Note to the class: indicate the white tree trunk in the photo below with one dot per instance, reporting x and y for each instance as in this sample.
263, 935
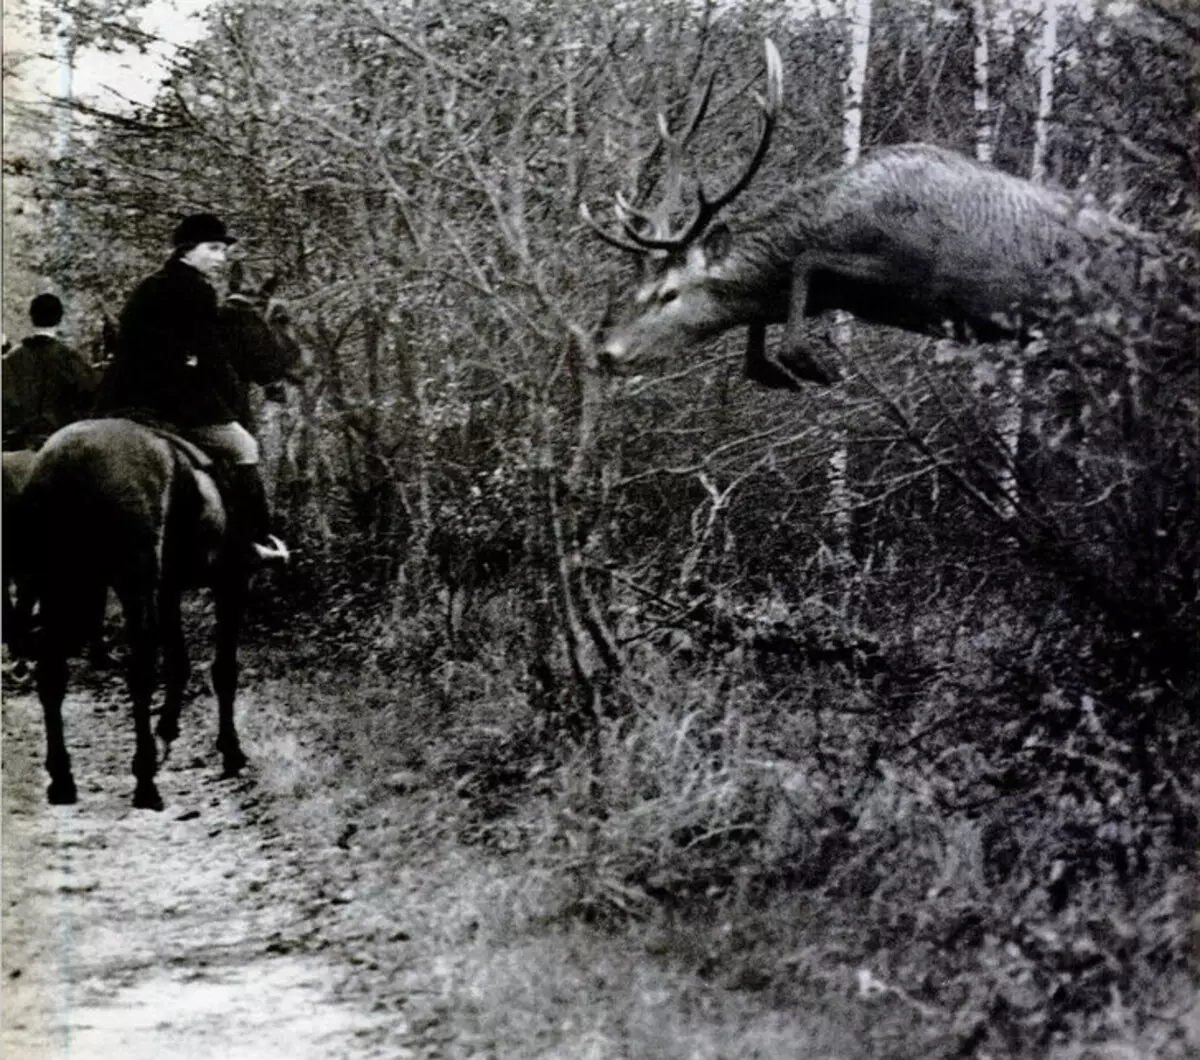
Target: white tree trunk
1047, 52
858, 15
1013, 416
983, 110
858, 12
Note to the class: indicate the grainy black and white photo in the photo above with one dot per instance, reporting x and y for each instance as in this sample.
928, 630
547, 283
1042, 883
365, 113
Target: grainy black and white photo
554, 530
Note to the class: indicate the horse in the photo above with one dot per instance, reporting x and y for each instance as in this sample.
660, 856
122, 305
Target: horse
112, 503
15, 467
256, 329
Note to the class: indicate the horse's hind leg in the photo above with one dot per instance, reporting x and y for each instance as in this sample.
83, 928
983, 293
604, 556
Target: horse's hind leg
141, 623
176, 665
62, 634
229, 603
51, 678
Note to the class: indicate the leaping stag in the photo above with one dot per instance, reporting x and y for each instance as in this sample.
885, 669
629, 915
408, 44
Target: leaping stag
914, 236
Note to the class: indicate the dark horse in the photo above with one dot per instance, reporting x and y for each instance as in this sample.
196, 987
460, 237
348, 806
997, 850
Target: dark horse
115, 504
15, 467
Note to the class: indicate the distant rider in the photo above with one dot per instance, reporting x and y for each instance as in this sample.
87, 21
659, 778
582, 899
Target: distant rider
46, 384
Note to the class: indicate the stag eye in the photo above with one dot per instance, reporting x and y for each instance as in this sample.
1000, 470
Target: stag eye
668, 296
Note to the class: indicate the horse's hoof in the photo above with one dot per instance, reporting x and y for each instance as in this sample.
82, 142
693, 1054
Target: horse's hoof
62, 792
234, 762
168, 731
146, 797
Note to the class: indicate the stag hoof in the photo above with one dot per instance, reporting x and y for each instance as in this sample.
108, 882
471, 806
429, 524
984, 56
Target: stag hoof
801, 366
146, 796
62, 792
766, 374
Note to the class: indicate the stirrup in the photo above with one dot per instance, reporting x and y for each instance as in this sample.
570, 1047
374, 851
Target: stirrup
273, 551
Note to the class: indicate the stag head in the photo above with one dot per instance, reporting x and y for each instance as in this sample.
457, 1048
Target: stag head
684, 300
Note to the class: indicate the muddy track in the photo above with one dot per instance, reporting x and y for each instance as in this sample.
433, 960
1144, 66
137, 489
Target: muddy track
186, 934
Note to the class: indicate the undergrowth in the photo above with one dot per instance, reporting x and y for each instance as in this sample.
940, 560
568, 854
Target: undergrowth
998, 863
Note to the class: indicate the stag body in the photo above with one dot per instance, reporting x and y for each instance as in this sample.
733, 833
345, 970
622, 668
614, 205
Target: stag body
914, 236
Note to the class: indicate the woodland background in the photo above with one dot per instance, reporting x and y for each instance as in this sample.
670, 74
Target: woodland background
885, 692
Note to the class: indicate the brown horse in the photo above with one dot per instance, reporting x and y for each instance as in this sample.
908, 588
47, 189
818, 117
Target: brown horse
115, 504
15, 468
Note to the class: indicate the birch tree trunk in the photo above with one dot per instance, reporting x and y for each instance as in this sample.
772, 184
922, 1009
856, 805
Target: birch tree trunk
64, 117
1047, 52
858, 15
1012, 418
984, 134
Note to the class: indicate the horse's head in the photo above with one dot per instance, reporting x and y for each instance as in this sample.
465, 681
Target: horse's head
258, 333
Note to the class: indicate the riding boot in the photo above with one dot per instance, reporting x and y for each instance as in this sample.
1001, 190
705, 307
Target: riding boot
251, 514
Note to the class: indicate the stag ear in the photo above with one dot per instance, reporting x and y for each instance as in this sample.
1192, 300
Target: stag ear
268, 288
717, 241
237, 276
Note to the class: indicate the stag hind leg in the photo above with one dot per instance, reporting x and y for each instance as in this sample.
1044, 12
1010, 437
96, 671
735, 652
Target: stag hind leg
794, 363
229, 598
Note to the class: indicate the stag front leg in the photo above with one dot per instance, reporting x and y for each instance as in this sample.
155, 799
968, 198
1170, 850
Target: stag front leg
230, 601
759, 368
795, 360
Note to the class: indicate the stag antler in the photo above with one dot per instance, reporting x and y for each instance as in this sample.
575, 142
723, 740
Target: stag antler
656, 222
660, 237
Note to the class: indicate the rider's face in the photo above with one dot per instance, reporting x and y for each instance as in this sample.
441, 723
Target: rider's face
208, 258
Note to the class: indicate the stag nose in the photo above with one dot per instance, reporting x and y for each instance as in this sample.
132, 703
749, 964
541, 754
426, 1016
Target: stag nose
612, 356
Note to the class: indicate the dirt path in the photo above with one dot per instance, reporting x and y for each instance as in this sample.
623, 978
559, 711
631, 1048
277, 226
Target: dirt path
133, 934
304, 911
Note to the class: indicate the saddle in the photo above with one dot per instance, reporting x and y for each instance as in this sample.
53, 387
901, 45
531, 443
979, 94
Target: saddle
245, 502
198, 461
195, 456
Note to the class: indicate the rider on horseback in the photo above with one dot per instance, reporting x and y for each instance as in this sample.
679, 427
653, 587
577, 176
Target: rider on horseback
171, 368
